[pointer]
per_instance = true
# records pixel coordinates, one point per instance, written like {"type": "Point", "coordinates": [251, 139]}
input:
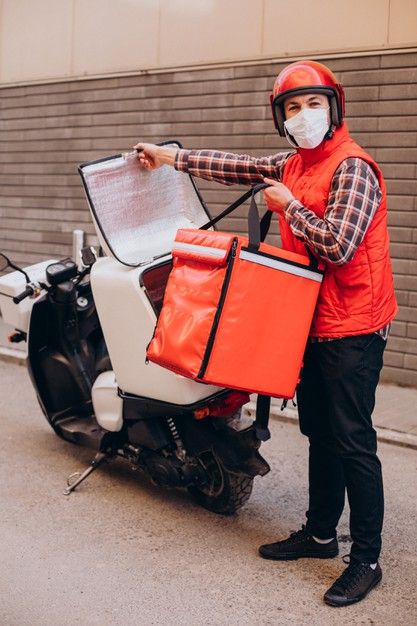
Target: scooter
{"type": "Point", "coordinates": [87, 324]}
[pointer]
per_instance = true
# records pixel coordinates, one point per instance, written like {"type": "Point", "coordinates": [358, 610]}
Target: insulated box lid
{"type": "Point", "coordinates": [138, 212]}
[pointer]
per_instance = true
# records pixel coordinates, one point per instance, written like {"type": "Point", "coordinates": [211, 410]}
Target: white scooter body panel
{"type": "Point", "coordinates": [108, 406]}
{"type": "Point", "coordinates": [128, 321]}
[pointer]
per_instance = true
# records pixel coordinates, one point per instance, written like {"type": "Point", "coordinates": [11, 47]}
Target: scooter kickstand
{"type": "Point", "coordinates": [98, 460]}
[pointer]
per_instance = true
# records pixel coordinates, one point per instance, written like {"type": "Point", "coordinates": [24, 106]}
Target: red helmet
{"type": "Point", "coordinates": [306, 77]}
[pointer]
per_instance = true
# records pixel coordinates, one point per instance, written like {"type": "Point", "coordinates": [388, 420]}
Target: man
{"type": "Point", "coordinates": [330, 196]}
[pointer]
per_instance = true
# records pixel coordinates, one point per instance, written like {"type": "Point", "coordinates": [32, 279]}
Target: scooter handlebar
{"type": "Point", "coordinates": [27, 292]}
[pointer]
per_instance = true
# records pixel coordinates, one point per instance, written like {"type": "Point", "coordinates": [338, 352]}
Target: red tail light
{"type": "Point", "coordinates": [227, 405]}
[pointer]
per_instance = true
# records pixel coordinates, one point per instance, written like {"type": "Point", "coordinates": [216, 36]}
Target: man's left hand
{"type": "Point", "coordinates": [277, 196]}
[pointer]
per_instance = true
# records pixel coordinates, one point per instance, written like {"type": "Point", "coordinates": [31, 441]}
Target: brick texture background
{"type": "Point", "coordinates": [47, 130]}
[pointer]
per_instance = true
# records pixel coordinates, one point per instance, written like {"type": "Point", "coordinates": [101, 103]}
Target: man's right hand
{"type": "Point", "coordinates": [151, 156]}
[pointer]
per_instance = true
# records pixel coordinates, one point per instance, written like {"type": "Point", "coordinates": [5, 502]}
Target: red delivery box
{"type": "Point", "coordinates": [236, 312]}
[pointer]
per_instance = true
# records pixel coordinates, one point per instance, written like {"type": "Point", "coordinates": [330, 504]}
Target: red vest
{"type": "Point", "coordinates": [358, 297]}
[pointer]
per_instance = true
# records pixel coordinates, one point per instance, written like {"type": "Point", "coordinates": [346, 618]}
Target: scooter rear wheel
{"type": "Point", "coordinates": [226, 491]}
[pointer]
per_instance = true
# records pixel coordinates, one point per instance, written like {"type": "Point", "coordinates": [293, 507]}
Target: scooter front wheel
{"type": "Point", "coordinates": [226, 491]}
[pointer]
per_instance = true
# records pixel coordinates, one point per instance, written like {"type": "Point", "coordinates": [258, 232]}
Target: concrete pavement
{"type": "Point", "coordinates": [122, 552]}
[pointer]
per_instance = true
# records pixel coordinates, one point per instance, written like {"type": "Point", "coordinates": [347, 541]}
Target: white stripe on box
{"type": "Point", "coordinates": [218, 253]}
{"type": "Point", "coordinates": [279, 265]}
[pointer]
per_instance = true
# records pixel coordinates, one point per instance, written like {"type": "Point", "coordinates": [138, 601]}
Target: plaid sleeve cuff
{"type": "Point", "coordinates": [292, 207]}
{"type": "Point", "coordinates": [181, 160]}
{"type": "Point", "coordinates": [294, 212]}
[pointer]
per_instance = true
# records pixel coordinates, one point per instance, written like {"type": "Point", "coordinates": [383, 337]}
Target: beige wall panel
{"type": "Point", "coordinates": [403, 22]}
{"type": "Point", "coordinates": [209, 30]}
{"type": "Point", "coordinates": [111, 36]}
{"type": "Point", "coordinates": [295, 26]}
{"type": "Point", "coordinates": [35, 39]}
{"type": "Point", "coordinates": [48, 39]}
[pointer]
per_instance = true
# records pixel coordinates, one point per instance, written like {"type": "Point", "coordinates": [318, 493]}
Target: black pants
{"type": "Point", "coordinates": [336, 397]}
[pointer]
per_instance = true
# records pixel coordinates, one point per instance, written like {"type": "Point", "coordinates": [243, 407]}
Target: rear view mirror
{"type": "Point", "coordinates": [4, 262]}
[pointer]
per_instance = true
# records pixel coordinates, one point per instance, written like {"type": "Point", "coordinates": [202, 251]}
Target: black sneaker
{"type": "Point", "coordinates": [354, 584]}
{"type": "Point", "coordinates": [299, 545]}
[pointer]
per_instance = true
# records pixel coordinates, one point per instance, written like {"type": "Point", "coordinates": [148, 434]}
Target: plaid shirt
{"type": "Point", "coordinates": [353, 200]}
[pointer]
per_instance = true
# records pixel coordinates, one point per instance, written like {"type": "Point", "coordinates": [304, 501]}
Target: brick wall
{"type": "Point", "coordinates": [46, 130]}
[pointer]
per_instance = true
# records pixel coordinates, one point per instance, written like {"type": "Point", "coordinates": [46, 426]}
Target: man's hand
{"type": "Point", "coordinates": [148, 155]}
{"type": "Point", "coordinates": [151, 156]}
{"type": "Point", "coordinates": [277, 196]}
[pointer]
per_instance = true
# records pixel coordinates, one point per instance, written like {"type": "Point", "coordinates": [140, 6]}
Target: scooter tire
{"type": "Point", "coordinates": [227, 492]}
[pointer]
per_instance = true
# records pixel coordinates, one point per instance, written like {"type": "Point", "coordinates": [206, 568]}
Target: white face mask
{"type": "Point", "coordinates": [308, 127]}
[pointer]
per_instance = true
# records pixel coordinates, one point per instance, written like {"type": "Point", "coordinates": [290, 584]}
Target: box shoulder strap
{"type": "Point", "coordinates": [265, 221]}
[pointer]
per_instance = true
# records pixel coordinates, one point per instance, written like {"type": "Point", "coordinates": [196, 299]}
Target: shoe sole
{"type": "Point", "coordinates": [358, 599]}
{"type": "Point", "coordinates": [293, 557]}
